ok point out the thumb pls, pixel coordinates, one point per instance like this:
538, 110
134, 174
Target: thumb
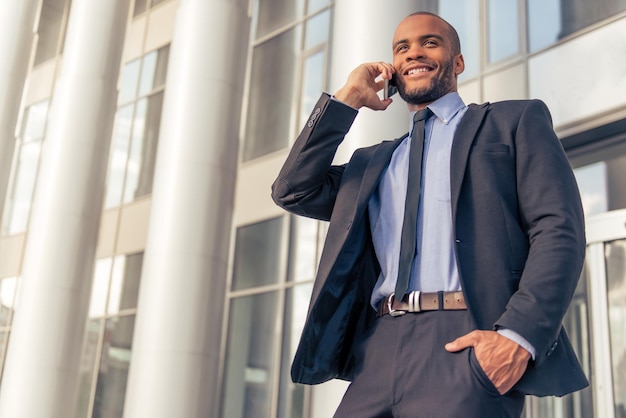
460, 343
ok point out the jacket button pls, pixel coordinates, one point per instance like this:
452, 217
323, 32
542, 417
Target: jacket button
458, 241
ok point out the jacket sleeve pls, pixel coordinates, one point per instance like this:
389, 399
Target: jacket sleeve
308, 183
550, 211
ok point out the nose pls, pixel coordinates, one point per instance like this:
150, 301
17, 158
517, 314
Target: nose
415, 52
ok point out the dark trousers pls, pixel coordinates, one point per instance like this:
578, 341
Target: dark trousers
403, 371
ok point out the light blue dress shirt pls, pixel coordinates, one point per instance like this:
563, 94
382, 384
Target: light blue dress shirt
434, 266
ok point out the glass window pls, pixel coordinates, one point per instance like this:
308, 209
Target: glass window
544, 23
108, 337
24, 171
303, 248
114, 366
142, 156
250, 361
129, 80
615, 253
313, 83
100, 287
257, 375
259, 254
140, 7
119, 156
464, 16
291, 395
503, 29
314, 5
274, 14
317, 30
7, 300
87, 366
50, 29
600, 177
136, 131
272, 79
125, 280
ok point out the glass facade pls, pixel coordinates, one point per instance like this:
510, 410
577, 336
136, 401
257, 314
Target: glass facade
136, 131
24, 170
289, 63
51, 29
107, 346
274, 267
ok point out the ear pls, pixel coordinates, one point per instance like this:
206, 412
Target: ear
459, 64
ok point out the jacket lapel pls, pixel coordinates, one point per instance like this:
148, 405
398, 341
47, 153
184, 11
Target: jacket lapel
463, 140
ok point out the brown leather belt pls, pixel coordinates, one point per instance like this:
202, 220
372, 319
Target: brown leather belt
422, 301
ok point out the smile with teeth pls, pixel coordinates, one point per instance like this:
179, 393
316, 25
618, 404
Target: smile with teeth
418, 70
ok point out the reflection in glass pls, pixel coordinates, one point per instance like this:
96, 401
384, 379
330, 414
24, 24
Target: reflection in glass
24, 177
49, 30
313, 83
314, 5
125, 280
303, 248
114, 366
274, 14
274, 63
317, 30
615, 253
259, 254
7, 300
600, 175
464, 16
503, 29
291, 395
591, 181
128, 81
87, 365
119, 156
100, 287
143, 149
544, 23
250, 371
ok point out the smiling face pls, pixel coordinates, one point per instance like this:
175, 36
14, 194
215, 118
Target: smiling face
427, 59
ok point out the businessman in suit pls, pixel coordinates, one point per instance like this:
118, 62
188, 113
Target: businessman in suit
471, 321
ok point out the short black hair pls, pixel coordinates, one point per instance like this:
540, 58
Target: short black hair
454, 36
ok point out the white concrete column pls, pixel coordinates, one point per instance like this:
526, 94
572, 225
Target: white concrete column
363, 32
16, 39
175, 356
41, 372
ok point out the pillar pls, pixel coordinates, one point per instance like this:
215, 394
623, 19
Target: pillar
41, 370
175, 357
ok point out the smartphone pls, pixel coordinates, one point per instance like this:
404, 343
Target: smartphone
390, 87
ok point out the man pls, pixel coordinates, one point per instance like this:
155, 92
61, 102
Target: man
495, 248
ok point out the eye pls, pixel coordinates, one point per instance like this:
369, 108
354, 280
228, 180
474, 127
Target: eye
402, 47
430, 42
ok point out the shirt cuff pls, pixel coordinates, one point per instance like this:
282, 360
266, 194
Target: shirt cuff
515, 337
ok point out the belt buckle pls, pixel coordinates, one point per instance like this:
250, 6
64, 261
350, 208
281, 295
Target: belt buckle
392, 311
414, 301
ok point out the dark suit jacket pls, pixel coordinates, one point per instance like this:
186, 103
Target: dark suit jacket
518, 226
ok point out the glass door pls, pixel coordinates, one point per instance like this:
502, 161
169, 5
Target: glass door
606, 267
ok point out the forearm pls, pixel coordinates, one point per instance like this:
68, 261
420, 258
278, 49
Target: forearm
308, 182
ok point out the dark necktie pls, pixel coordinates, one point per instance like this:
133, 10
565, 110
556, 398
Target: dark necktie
413, 191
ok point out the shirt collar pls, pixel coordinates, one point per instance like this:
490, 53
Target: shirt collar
445, 108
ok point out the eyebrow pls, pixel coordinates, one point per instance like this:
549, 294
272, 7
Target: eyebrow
422, 38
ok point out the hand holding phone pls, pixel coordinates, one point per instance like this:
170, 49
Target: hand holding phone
390, 88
